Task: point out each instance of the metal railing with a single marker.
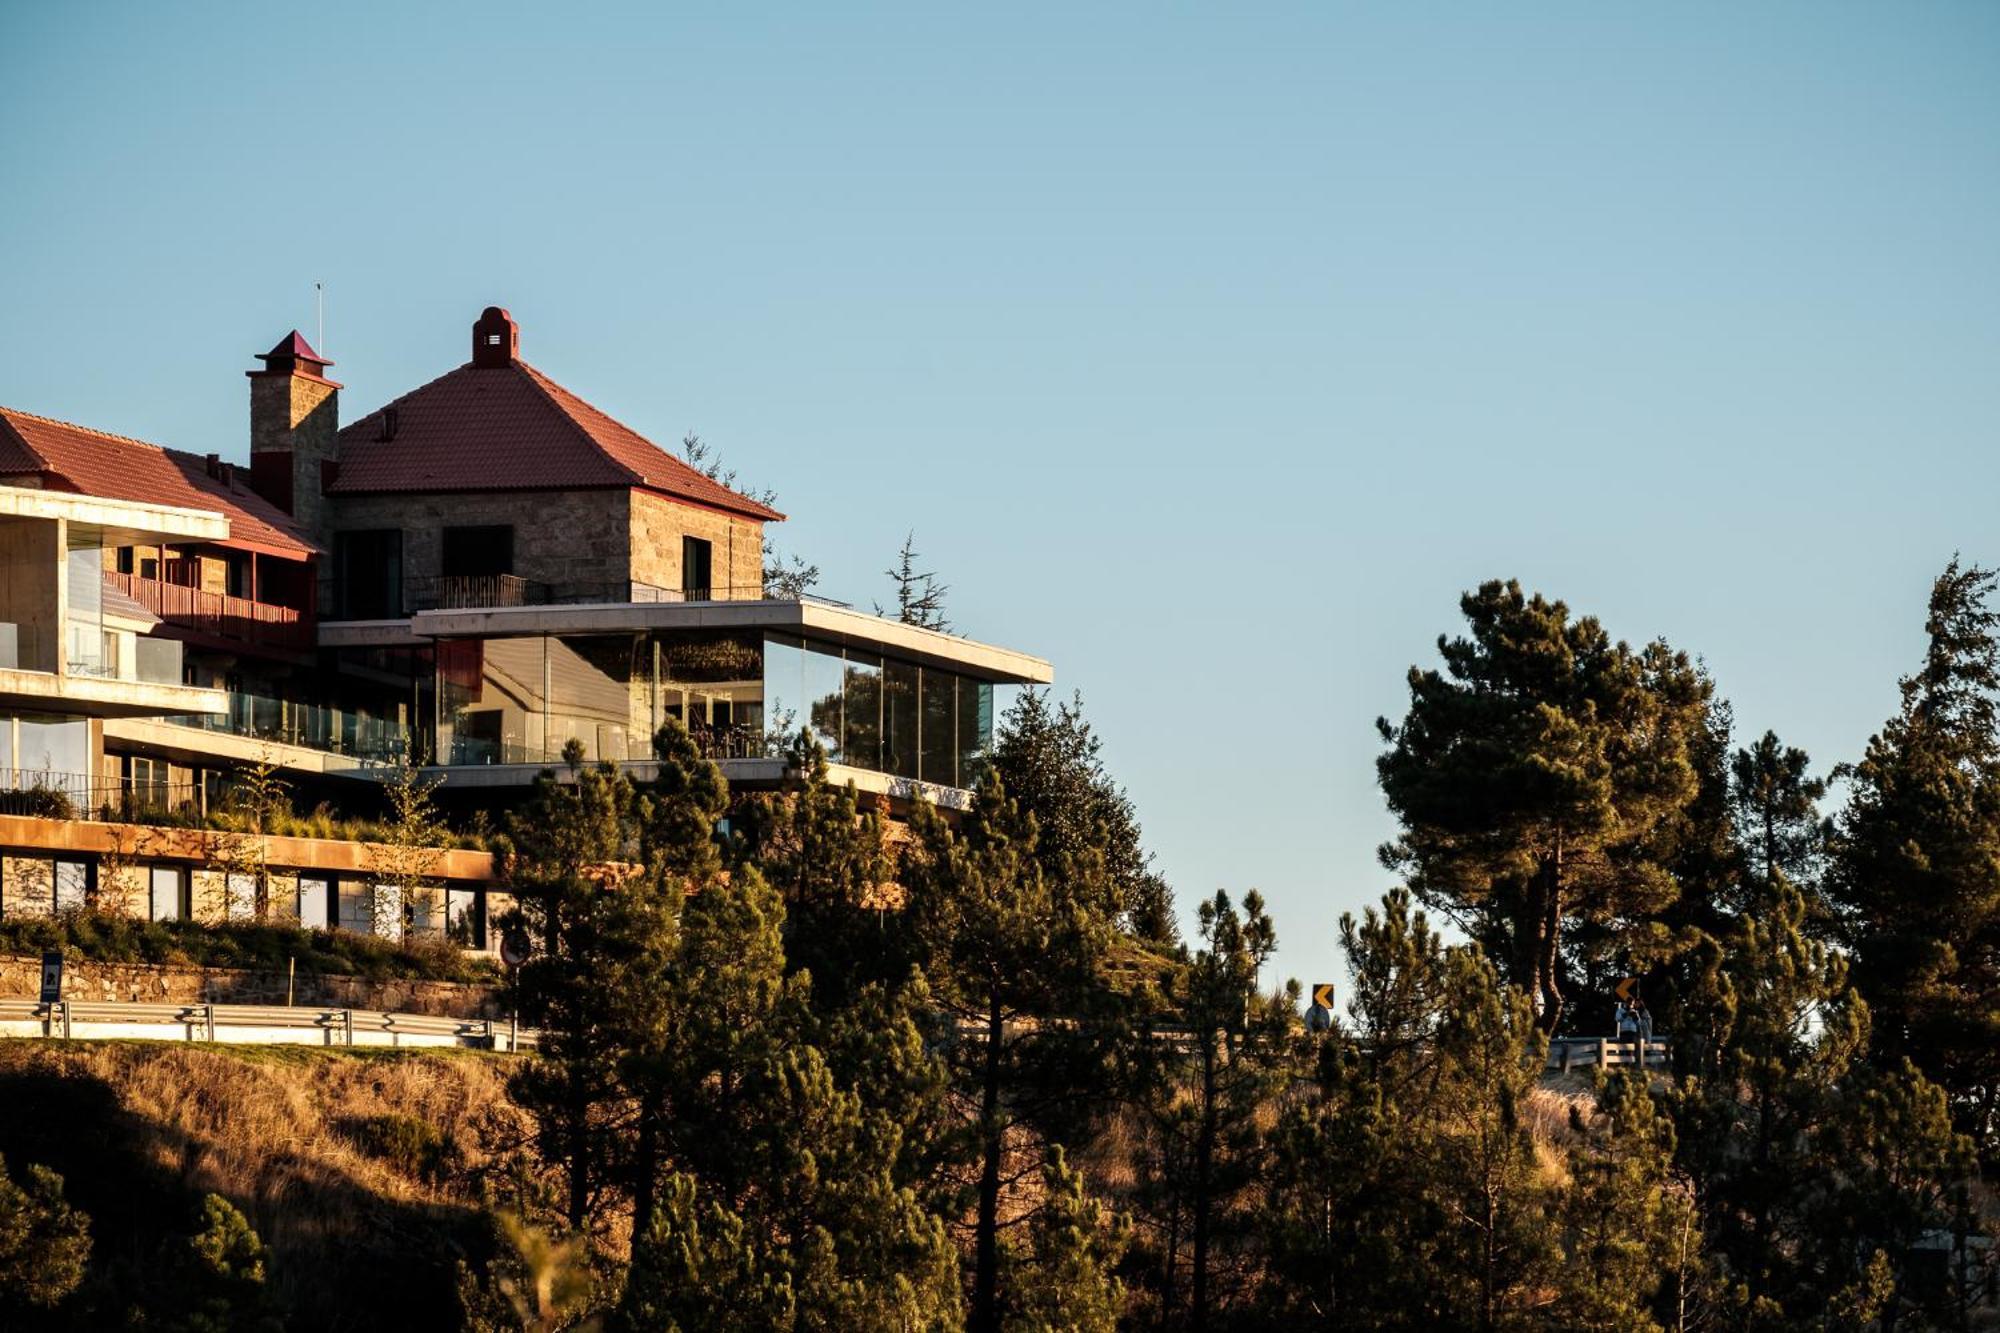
(474, 592)
(217, 614)
(47, 795)
(308, 726)
(265, 1024)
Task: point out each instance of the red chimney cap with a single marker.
(496, 339)
(292, 347)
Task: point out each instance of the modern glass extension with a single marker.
(744, 694)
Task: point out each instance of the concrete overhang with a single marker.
(819, 620)
(198, 745)
(124, 522)
(741, 773)
(99, 696)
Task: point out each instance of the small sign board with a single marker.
(1319, 1014)
(515, 948)
(51, 977)
(1625, 988)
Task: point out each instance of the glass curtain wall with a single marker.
(869, 712)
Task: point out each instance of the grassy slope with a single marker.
(364, 1227)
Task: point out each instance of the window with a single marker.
(368, 574)
(240, 896)
(313, 896)
(465, 917)
(72, 885)
(478, 552)
(696, 556)
(169, 893)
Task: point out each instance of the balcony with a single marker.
(218, 615)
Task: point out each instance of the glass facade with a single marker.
(870, 712)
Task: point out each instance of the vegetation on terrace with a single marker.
(112, 937)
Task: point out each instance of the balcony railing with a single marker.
(217, 614)
(476, 592)
(308, 726)
(50, 795)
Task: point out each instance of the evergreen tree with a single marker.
(1915, 873)
(1530, 773)
(566, 839)
(1776, 804)
(1063, 1279)
(1808, 1162)
(828, 859)
(1016, 959)
(44, 1243)
(1211, 1085)
(222, 1273)
(534, 1283)
(919, 596)
(1050, 761)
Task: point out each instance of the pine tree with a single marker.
(1211, 1087)
(1050, 761)
(919, 596)
(1807, 1160)
(1063, 1280)
(44, 1243)
(222, 1273)
(1016, 960)
(1915, 873)
(1776, 804)
(534, 1282)
(565, 837)
(1529, 774)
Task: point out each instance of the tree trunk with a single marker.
(1204, 1157)
(645, 1166)
(1548, 946)
(579, 1156)
(986, 1269)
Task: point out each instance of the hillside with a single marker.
(365, 1213)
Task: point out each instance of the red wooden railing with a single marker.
(217, 613)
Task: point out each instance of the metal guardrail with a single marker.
(259, 1024)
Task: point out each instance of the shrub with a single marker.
(413, 1147)
(111, 937)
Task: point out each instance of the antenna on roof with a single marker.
(319, 309)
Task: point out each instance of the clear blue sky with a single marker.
(1210, 352)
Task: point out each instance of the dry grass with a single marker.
(293, 1137)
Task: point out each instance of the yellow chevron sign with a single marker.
(1625, 987)
(1323, 994)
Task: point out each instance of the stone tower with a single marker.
(294, 414)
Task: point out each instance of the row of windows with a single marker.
(36, 886)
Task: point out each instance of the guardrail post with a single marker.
(65, 1017)
(347, 1023)
(208, 1015)
(513, 1033)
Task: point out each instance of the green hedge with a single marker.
(109, 938)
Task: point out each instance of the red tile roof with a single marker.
(492, 428)
(92, 462)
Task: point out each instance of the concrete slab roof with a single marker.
(819, 620)
(120, 519)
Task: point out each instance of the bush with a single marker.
(110, 937)
(413, 1147)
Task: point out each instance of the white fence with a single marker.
(267, 1024)
(1567, 1053)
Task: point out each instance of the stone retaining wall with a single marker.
(160, 983)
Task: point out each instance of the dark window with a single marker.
(478, 552)
(695, 567)
(368, 574)
(125, 562)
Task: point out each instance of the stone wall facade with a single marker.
(158, 983)
(560, 537)
(657, 525)
(570, 539)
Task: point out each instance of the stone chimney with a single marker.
(294, 413)
(496, 339)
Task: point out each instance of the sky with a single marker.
(1210, 352)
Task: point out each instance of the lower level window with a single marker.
(168, 890)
